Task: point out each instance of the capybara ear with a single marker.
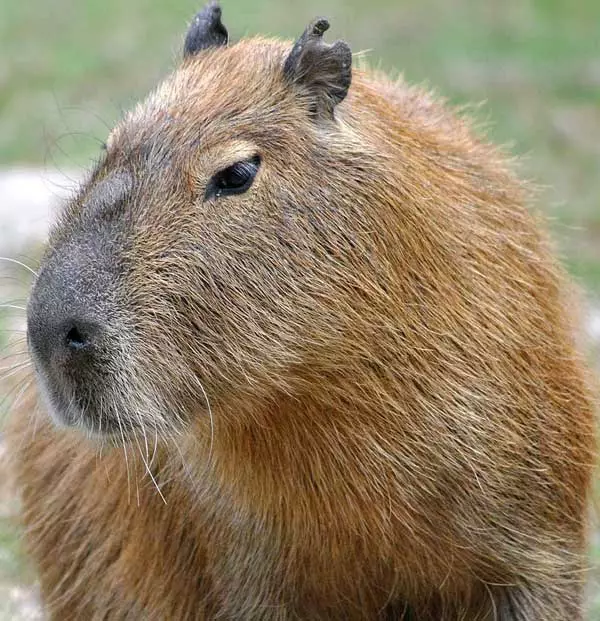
(206, 30)
(324, 70)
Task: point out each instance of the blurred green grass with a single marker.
(11, 566)
(68, 68)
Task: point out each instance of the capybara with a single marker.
(302, 351)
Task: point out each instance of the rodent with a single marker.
(302, 351)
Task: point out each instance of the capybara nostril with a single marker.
(80, 336)
(75, 340)
(55, 341)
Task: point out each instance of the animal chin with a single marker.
(66, 409)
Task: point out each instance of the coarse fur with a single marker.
(352, 392)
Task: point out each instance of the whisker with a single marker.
(135, 476)
(25, 388)
(100, 412)
(13, 389)
(141, 423)
(13, 341)
(14, 370)
(28, 434)
(155, 444)
(13, 338)
(142, 427)
(17, 262)
(32, 423)
(15, 301)
(154, 481)
(15, 366)
(150, 472)
(126, 457)
(14, 306)
(137, 489)
(14, 354)
(19, 281)
(211, 419)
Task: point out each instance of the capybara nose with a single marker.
(55, 340)
(66, 328)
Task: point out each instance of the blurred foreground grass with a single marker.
(68, 68)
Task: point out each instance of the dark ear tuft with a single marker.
(324, 70)
(206, 30)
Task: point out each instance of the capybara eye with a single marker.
(234, 179)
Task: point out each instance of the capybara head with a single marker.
(215, 253)
(258, 229)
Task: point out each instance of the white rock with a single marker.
(28, 201)
(593, 325)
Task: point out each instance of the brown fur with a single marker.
(401, 422)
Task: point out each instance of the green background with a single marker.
(69, 67)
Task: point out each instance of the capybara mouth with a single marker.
(86, 405)
(73, 371)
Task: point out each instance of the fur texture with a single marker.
(356, 385)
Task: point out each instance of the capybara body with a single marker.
(308, 356)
